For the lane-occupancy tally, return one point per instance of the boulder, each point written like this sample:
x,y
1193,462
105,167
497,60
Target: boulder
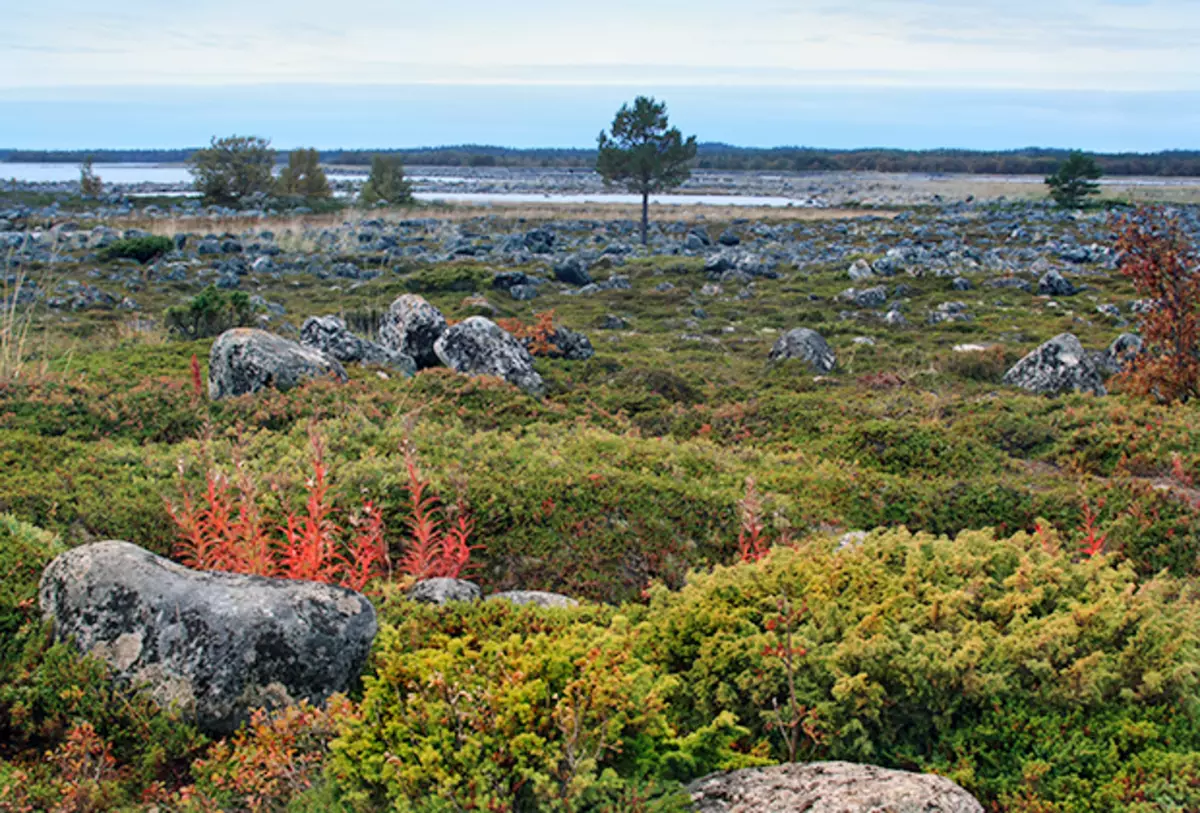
x,y
570,345
829,787
213,645
1059,365
478,346
1053,283
538,598
860,270
573,271
1120,354
330,335
875,297
807,345
245,360
411,326
442,591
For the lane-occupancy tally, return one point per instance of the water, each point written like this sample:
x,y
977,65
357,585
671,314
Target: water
x,y
109,173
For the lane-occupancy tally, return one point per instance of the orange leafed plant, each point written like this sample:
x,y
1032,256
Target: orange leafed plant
x,y
536,336
439,540
752,544
1159,259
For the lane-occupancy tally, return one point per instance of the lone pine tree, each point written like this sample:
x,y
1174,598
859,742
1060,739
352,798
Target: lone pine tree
x,y
643,153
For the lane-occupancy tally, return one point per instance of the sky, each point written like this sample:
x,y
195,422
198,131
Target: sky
x,y
1100,74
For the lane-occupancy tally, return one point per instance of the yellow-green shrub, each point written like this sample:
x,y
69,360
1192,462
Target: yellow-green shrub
x,y
1006,664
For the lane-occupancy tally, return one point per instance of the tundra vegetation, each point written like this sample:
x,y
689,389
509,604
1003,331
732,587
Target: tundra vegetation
x,y
896,558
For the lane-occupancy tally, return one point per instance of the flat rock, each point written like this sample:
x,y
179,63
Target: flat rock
x,y
245,360
411,326
829,787
478,346
539,598
443,591
1059,365
213,645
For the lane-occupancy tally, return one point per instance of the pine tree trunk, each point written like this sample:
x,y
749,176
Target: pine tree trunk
x,y
645,217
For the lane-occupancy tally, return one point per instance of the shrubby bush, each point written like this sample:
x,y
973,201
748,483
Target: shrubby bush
x,y
1032,677
210,313
386,183
142,249
231,169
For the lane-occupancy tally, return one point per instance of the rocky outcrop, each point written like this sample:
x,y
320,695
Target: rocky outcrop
x,y
570,345
245,360
1059,365
829,787
412,326
213,645
330,335
478,346
806,345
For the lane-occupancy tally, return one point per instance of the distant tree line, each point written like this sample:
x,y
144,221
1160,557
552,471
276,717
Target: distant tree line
x,y
1030,161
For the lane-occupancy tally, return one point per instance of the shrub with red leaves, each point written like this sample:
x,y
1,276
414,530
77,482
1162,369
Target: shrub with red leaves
x,y
439,540
1160,260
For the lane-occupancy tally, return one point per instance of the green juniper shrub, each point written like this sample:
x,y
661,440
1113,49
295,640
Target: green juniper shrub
x,y
210,313
142,249
1029,675
24,552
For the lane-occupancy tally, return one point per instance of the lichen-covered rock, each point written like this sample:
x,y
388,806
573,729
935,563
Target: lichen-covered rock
x,y
1120,354
478,346
443,591
570,345
572,270
214,645
539,598
829,787
330,335
1059,365
1053,283
807,345
245,360
412,326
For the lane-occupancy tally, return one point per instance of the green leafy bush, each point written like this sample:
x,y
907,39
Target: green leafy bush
x,y
210,313
142,249
498,708
1033,679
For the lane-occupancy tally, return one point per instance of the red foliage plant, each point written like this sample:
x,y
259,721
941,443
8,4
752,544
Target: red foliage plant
x,y
1093,540
439,539
753,543
226,531
197,379
535,336
1160,260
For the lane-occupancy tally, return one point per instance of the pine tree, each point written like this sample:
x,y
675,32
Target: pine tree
x,y
303,175
90,184
643,154
233,168
386,183
1074,182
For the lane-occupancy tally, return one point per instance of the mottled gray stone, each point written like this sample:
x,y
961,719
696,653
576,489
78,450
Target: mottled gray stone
x,y
213,645
536,597
330,335
807,345
829,787
478,346
442,591
245,360
412,326
1059,365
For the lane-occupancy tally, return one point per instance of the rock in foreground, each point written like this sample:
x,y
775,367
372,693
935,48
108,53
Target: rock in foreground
x,y
829,787
412,326
214,645
1059,365
807,345
478,346
245,360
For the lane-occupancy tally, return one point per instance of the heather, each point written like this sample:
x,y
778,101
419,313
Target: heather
x,y
1018,613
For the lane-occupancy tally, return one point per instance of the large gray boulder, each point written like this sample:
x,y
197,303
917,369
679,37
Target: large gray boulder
x,y
330,335
829,787
213,645
245,360
572,270
1059,365
412,326
807,345
478,346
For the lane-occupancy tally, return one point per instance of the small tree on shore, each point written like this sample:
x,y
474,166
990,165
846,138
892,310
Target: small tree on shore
x,y
303,175
644,154
90,184
1161,262
386,183
232,169
1074,182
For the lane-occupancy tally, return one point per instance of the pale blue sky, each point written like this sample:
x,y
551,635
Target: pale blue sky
x,y
978,73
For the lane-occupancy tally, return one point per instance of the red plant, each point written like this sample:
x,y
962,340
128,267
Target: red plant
x,y
791,720
1093,540
438,546
197,380
752,545
536,336
1159,259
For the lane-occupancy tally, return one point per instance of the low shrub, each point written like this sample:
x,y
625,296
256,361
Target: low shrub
x,y
142,249
24,553
210,313
1030,675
